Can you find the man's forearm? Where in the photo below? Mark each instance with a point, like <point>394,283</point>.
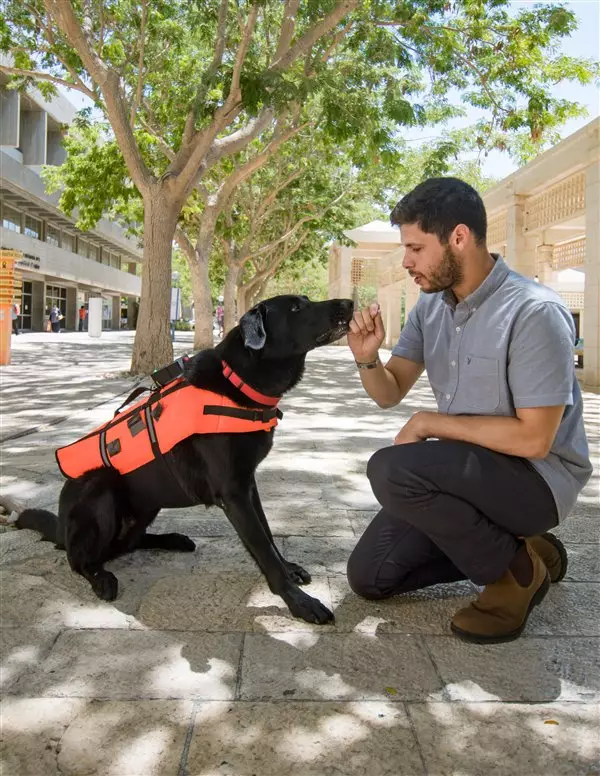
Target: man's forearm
<point>381,385</point>
<point>502,434</point>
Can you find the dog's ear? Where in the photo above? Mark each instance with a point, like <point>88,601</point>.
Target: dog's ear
<point>253,329</point>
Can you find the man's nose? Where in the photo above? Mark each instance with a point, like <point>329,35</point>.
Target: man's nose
<point>407,262</point>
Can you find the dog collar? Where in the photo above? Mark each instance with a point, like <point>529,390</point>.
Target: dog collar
<point>247,390</point>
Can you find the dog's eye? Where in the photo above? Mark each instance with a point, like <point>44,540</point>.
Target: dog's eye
<point>295,308</point>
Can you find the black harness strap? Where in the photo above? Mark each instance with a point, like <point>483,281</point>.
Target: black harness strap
<point>262,416</point>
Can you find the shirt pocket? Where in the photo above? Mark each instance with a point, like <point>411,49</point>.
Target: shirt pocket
<point>481,383</point>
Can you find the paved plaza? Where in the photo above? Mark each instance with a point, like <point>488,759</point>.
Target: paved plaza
<point>198,670</point>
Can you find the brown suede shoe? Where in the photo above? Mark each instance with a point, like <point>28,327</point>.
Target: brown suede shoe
<point>552,551</point>
<point>501,611</point>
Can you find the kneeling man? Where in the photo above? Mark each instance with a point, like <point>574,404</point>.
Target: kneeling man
<point>470,491</point>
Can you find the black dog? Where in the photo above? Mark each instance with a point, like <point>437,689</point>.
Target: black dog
<point>102,515</point>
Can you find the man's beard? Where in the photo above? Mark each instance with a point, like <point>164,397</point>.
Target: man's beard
<point>448,274</point>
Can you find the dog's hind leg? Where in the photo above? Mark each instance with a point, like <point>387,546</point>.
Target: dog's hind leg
<point>91,529</point>
<point>300,575</point>
<point>245,519</point>
<point>175,542</point>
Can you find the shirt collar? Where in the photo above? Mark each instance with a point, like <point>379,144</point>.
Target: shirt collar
<point>492,282</point>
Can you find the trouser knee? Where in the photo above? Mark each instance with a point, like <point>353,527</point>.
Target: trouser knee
<point>361,576</point>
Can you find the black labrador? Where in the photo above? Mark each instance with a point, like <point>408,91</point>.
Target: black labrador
<point>100,516</point>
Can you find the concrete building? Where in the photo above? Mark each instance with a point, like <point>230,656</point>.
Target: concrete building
<point>61,265</point>
<point>544,219</point>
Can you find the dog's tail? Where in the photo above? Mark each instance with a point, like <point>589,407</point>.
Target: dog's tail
<point>40,520</point>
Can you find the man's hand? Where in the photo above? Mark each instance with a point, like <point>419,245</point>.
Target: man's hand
<point>413,431</point>
<point>366,333</point>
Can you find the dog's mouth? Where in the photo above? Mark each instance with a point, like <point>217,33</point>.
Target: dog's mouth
<point>340,328</point>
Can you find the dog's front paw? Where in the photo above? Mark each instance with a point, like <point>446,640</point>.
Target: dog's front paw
<point>309,609</point>
<point>298,574</point>
<point>106,585</point>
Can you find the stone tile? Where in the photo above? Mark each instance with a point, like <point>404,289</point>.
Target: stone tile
<point>585,508</point>
<point>32,730</point>
<point>305,739</point>
<point>138,738</point>
<point>121,665</point>
<point>21,650</point>
<point>194,527</point>
<point>223,602</point>
<point>579,529</point>
<point>535,670</point>
<point>584,563</point>
<point>34,601</point>
<point>320,554</point>
<point>423,611</point>
<point>223,555</point>
<point>353,666</point>
<point>321,522</point>
<point>17,546</point>
<point>497,739</point>
<point>569,609</point>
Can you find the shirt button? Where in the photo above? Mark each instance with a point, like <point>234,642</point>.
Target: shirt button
<point>448,397</point>
<point>458,328</point>
<point>453,363</point>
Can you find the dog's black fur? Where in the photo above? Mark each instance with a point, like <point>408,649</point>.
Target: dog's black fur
<point>98,515</point>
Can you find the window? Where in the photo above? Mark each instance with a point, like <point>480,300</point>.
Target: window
<point>68,241</point>
<point>87,249</point>
<point>33,227</point>
<point>115,262</point>
<point>56,295</point>
<point>11,219</point>
<point>53,235</point>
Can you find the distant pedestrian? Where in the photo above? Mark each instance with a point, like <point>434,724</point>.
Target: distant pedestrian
<point>82,317</point>
<point>14,315</point>
<point>55,319</point>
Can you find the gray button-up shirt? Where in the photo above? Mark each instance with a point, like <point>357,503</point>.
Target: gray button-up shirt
<point>508,345</point>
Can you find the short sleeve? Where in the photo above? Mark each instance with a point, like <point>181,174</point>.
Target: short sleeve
<point>410,344</point>
<point>540,360</point>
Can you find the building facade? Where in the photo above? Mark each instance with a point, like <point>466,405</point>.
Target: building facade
<point>61,265</point>
<point>544,219</point>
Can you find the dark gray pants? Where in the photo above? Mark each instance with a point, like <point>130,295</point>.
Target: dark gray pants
<point>450,510</point>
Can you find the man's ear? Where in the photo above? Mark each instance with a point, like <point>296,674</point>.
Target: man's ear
<point>253,329</point>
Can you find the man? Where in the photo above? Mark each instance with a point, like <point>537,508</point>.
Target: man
<point>15,311</point>
<point>82,315</point>
<point>505,455</point>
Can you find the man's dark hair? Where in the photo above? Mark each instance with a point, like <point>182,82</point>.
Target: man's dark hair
<point>438,205</point>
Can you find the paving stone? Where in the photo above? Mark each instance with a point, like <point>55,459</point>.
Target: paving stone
<point>21,650</point>
<point>122,664</point>
<point>118,738</point>
<point>535,670</point>
<point>34,601</point>
<point>569,609</point>
<point>352,666</point>
<point>423,611</point>
<point>496,739</point>
<point>223,602</point>
<point>305,739</point>
<point>32,734</point>
<point>580,530</point>
<point>584,563</point>
<point>17,546</point>
<point>222,555</point>
<point>320,554</point>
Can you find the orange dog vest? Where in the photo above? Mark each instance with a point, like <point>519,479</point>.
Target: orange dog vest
<point>153,426</point>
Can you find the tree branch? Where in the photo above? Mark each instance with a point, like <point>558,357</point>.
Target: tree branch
<point>342,8</point>
<point>137,99</point>
<point>80,87</point>
<point>79,35</point>
<point>288,25</point>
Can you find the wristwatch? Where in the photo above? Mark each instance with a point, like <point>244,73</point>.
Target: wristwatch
<point>367,364</point>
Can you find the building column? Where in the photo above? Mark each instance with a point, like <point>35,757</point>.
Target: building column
<point>591,321</point>
<point>546,272</point>
<point>346,288</point>
<point>116,313</point>
<point>520,247</point>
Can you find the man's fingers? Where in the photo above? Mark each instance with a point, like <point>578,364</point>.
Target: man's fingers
<point>368,321</point>
<point>379,329</point>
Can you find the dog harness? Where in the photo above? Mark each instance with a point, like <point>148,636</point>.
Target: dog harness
<point>153,426</point>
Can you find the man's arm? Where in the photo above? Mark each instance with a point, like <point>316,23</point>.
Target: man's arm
<point>386,385</point>
<point>529,435</point>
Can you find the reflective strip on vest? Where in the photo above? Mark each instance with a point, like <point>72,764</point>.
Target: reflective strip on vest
<point>181,415</point>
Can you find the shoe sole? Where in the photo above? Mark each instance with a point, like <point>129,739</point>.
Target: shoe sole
<point>476,638</point>
<point>564,558</point>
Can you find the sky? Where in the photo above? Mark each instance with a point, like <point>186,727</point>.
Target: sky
<point>585,42</point>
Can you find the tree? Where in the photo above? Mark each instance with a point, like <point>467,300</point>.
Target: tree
<point>185,86</point>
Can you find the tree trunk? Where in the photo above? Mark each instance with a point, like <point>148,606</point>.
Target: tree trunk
<point>152,346</point>
<point>203,315</point>
<point>229,294</point>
